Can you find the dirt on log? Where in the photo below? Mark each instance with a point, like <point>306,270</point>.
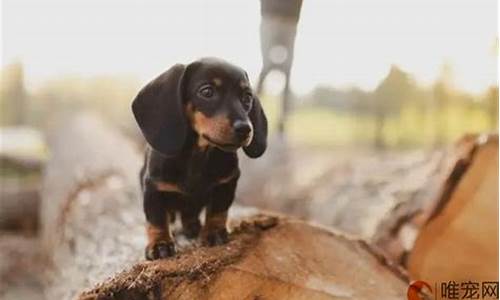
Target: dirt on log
<point>93,236</point>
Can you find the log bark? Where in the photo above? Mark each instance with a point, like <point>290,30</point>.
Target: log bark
<point>93,236</point>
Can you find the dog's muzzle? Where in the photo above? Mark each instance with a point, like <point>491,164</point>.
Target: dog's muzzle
<point>243,132</point>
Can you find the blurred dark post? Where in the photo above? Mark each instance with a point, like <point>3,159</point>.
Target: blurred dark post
<point>277,37</point>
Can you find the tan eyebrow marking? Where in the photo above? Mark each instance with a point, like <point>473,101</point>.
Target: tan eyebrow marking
<point>244,84</point>
<point>217,81</point>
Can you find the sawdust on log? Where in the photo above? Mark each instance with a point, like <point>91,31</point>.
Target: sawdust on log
<point>194,265</point>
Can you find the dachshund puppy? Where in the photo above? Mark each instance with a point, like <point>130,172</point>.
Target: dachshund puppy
<point>194,118</point>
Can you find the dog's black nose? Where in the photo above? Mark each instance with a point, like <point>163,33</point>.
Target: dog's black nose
<point>242,129</point>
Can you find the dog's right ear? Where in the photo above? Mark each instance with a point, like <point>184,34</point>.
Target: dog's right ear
<point>158,109</point>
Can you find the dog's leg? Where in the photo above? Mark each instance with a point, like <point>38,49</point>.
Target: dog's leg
<point>215,231</point>
<point>160,241</point>
<point>191,225</point>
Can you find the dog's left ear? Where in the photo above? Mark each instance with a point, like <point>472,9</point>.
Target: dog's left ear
<point>158,109</point>
<point>258,144</point>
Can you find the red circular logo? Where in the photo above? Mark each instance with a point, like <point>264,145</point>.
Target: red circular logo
<point>415,290</point>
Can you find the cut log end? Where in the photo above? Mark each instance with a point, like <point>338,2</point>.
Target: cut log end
<point>460,239</point>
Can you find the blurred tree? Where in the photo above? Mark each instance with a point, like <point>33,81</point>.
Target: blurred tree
<point>13,95</point>
<point>353,100</point>
<point>492,105</point>
<point>492,95</point>
<point>108,95</point>
<point>390,95</point>
<point>443,96</point>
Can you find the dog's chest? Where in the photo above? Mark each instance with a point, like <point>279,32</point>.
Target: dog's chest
<point>198,172</point>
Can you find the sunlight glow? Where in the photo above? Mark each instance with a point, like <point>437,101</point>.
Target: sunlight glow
<point>340,42</point>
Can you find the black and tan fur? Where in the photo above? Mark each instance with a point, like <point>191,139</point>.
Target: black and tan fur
<point>194,118</point>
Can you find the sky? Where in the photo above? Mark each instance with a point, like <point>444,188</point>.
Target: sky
<point>339,42</point>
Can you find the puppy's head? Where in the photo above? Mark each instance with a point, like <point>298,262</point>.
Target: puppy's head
<point>210,97</point>
<point>219,101</point>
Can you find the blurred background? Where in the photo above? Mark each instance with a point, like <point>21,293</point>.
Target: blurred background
<point>395,74</point>
<point>356,92</point>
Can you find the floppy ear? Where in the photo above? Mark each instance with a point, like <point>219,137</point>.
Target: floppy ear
<point>259,121</point>
<point>158,109</point>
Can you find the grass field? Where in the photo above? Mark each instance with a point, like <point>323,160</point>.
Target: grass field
<point>324,127</point>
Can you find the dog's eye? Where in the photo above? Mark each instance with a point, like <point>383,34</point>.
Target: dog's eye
<point>246,101</point>
<point>206,92</point>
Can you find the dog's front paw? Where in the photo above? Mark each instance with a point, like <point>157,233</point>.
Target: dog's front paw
<point>160,250</point>
<point>192,230</point>
<point>216,237</point>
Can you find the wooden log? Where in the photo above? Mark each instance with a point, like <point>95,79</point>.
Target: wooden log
<point>91,212</point>
<point>93,229</point>
<point>396,233</point>
<point>459,240</point>
<point>21,162</point>
<point>267,258</point>
<point>19,205</point>
<point>24,163</point>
